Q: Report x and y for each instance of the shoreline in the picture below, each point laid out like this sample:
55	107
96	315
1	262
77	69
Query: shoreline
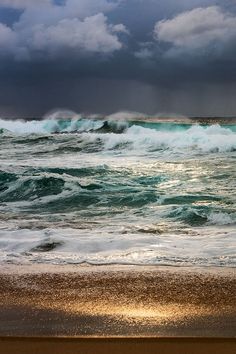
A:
37	268
49	300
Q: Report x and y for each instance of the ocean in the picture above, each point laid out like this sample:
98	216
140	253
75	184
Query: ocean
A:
105	191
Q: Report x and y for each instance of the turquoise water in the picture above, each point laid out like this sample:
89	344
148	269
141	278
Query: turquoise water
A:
102	192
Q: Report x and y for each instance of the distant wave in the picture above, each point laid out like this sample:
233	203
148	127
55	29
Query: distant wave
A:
131	135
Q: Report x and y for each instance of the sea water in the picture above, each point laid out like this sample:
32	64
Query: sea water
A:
117	192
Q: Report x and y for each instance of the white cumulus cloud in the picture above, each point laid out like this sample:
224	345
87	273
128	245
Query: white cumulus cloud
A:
201	29
93	34
45	29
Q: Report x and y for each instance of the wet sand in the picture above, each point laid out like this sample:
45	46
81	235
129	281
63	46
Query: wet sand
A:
124	345
110	301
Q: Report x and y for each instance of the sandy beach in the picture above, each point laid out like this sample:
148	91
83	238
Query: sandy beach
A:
98	309
117	300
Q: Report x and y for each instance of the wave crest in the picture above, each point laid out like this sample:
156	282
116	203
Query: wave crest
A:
143	136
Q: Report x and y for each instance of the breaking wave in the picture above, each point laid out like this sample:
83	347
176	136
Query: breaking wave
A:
97	134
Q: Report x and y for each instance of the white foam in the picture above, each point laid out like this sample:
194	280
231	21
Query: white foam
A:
140	139
206	139
106	246
221	218
22	127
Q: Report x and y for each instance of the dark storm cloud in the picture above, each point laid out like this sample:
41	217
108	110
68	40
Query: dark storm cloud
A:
102	56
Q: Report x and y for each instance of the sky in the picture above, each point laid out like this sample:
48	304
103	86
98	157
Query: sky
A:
104	56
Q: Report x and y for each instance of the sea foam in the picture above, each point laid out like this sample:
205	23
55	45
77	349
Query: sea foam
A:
132	136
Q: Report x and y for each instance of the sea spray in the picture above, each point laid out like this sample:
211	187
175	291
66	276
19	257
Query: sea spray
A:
142	136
